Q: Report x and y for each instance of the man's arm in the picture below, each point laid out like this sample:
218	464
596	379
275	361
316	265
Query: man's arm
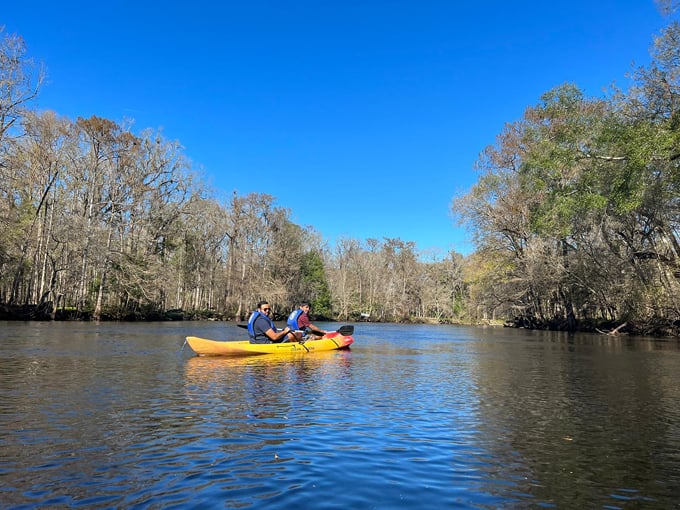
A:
277	336
317	329
263	327
304	322
272	334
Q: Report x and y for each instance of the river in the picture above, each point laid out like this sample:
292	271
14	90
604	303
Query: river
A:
122	415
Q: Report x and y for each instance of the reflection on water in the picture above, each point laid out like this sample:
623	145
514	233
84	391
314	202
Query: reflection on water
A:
593	405
118	415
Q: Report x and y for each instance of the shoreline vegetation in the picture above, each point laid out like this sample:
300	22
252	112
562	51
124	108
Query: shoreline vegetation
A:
575	220
605	327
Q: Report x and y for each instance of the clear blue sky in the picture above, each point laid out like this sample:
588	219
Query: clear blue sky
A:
363	117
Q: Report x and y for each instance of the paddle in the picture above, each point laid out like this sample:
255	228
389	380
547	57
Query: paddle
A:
343	330
346	330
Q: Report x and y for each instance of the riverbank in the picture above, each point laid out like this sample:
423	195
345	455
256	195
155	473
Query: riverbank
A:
38	313
655	328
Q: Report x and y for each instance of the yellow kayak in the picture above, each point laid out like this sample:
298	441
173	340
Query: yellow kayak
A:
329	342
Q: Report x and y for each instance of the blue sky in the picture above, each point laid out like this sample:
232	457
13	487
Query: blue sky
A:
364	118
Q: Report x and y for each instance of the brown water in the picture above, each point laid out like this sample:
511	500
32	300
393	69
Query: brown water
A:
120	416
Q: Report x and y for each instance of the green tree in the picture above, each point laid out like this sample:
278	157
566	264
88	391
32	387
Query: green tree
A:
576	206
313	284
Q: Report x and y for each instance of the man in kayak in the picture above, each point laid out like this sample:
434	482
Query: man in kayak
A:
299	320
262	330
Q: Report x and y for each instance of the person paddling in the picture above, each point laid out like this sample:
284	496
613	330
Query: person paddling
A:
299	320
262	330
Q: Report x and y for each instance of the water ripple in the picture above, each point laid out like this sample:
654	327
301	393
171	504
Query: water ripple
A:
412	417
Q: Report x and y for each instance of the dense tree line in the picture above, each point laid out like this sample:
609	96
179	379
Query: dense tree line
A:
574	216
576	212
99	222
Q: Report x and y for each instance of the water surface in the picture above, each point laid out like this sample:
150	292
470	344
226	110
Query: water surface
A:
122	415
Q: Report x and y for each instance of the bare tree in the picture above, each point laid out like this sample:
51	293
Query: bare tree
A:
20	80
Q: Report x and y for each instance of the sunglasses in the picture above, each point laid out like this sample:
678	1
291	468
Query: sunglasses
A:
266	309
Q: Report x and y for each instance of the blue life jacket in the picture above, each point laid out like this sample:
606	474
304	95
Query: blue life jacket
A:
251	322
293	319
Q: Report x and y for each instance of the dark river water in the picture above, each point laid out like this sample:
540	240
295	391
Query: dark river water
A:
122	416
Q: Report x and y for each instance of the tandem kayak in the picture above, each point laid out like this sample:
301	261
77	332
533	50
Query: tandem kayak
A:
204	347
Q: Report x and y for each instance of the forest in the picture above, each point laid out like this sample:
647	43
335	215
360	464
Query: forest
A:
574	219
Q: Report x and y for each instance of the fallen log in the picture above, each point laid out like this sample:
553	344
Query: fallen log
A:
614	331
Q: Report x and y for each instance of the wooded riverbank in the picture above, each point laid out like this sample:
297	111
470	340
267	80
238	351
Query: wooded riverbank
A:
666	328
575	221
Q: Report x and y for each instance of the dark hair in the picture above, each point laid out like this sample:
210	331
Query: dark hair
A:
260	303
304	303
